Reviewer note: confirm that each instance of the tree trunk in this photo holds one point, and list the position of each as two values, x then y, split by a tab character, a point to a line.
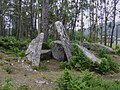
45	9
31	22
81	36
74	23
117	35
105	25
19	21
113	27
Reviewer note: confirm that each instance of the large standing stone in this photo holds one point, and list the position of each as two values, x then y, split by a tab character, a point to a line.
57	49
64	38
34	50
89	54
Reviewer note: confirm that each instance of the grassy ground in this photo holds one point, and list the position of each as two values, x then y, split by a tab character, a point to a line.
21	73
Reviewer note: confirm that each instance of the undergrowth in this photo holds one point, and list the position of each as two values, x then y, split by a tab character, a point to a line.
118	51
80	61
13	46
46	44
85	81
102	52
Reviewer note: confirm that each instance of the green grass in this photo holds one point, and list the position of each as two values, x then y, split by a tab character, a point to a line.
114	45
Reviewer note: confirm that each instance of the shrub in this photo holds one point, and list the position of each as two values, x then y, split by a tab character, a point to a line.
46	45
7	42
108	65
65	81
102	52
85	81
118	51
64	65
14	46
79	61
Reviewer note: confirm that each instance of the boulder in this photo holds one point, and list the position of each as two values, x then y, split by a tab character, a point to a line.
64	38
89	54
34	50
41	81
96	46
57	49
46	55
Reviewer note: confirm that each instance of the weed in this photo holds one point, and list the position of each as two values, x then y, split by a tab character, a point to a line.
7	85
8	69
23	87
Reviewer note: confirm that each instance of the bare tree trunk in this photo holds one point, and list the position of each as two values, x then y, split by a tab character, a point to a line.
82	31
38	15
1	20
45	9
117	35
31	17
101	23
105	25
74	22
96	22
19	21
93	22
90	10
113	27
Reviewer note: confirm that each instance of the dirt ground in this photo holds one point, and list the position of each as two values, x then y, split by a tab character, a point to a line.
23	74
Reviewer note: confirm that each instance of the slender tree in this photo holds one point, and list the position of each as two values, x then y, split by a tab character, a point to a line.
113	26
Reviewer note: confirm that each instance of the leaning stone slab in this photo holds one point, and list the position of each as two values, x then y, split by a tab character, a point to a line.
34	50
64	38
96	46
89	54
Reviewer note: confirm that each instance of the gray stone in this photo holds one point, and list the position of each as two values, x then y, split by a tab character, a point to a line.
96	46
57	49
46	55
41	81
34	50
89	54
64	38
